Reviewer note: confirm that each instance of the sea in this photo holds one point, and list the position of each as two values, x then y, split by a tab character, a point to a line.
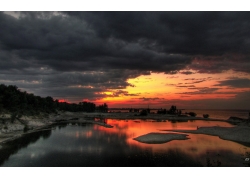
221	114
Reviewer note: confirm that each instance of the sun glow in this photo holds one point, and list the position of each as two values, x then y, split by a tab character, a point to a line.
160	89
62	100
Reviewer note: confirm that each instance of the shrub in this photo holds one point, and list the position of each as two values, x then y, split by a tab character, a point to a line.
193	114
144	112
205	115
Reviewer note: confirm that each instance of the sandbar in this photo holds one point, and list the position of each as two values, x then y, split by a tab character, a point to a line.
160	138
239	134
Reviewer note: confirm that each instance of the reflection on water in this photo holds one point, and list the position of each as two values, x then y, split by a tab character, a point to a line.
13	147
94	145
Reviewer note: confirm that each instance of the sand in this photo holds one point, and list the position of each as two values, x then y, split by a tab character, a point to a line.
159	138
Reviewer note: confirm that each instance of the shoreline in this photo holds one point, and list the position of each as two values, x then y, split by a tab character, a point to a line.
36	123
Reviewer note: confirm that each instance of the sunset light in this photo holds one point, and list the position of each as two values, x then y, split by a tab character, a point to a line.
133	67
125	88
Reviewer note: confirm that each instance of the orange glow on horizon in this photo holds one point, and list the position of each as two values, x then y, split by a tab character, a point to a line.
62	100
159	90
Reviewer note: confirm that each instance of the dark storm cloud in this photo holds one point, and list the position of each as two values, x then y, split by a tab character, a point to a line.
187	72
235	83
117	93
220	63
65	50
156	41
176	32
200	90
197	80
73	94
180	86
150	99
100	79
68	43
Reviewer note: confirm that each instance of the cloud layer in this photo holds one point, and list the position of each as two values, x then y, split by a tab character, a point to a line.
81	54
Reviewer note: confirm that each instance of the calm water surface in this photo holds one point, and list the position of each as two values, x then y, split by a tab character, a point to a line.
213	113
97	146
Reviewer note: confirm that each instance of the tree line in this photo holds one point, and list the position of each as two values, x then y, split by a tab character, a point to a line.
22	103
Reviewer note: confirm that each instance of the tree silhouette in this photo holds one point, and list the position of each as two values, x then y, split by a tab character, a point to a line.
22	103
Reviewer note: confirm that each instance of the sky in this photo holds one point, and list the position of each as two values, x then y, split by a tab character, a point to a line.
191	59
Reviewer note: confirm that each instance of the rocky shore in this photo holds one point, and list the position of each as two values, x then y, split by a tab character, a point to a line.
27	124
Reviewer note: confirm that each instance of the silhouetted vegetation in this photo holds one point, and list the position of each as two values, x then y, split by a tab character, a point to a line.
193	114
144	112
205	115
162	111
102	108
134	110
173	110
20	103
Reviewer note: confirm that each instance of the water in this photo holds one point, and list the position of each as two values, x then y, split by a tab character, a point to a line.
220	114
91	145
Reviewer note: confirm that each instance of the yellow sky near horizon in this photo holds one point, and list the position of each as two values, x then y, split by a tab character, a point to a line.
158	88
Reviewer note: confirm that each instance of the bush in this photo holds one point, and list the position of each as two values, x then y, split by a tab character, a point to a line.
193	114
205	115
144	112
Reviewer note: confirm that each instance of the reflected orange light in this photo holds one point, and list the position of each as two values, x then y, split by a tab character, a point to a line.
77	134
196	144
87	134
